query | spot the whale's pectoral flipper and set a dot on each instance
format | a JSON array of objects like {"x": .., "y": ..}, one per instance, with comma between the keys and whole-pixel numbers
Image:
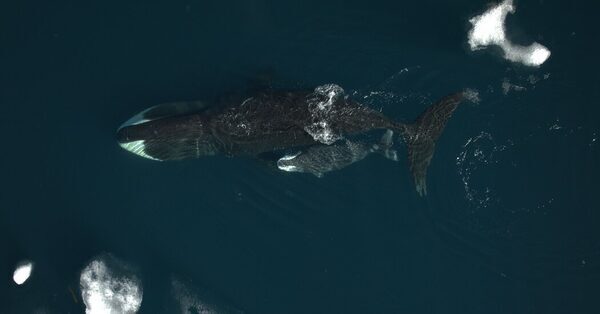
[{"x": 421, "y": 136}]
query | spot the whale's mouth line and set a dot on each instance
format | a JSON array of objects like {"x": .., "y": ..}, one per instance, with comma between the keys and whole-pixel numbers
[{"x": 290, "y": 157}]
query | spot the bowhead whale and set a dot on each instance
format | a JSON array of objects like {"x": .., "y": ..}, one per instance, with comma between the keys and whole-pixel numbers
[{"x": 276, "y": 121}]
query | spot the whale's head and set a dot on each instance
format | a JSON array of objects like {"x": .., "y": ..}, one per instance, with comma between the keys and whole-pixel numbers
[
  {"x": 290, "y": 163},
  {"x": 167, "y": 132}
]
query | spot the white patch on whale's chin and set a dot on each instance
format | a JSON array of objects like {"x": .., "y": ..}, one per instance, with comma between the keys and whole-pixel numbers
[
  {"x": 288, "y": 168},
  {"x": 138, "y": 148}
]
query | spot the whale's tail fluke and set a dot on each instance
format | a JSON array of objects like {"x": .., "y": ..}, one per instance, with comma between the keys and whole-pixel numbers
[{"x": 421, "y": 136}]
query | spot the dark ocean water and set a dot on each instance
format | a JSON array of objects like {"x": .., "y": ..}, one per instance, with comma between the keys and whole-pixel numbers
[{"x": 511, "y": 223}]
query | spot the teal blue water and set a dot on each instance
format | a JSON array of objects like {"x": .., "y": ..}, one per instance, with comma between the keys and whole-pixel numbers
[{"x": 510, "y": 224}]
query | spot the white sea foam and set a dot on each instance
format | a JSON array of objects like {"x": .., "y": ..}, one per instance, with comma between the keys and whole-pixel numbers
[
  {"x": 109, "y": 287},
  {"x": 22, "y": 272},
  {"x": 489, "y": 30},
  {"x": 192, "y": 300},
  {"x": 188, "y": 302},
  {"x": 472, "y": 95},
  {"x": 478, "y": 153},
  {"x": 321, "y": 106},
  {"x": 322, "y": 132},
  {"x": 507, "y": 86}
]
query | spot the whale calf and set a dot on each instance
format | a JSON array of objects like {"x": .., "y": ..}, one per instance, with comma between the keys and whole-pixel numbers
[
  {"x": 277, "y": 121},
  {"x": 320, "y": 159}
]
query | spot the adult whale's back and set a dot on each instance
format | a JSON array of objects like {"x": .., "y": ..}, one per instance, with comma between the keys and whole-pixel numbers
[
  {"x": 274, "y": 121},
  {"x": 265, "y": 122}
]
